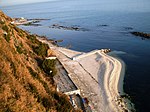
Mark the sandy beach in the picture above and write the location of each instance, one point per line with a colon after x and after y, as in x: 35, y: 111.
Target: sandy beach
x: 98, y: 76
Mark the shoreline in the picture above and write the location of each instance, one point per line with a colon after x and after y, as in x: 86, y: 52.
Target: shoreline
x: 114, y: 84
x: 113, y: 74
x: 129, y: 104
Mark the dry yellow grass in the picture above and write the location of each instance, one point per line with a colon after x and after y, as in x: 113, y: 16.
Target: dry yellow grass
x: 20, y: 90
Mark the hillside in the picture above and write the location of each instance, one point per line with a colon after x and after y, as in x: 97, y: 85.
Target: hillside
x: 24, y: 86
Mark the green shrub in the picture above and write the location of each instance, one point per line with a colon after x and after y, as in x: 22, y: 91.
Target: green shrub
x: 46, y: 103
x: 43, y: 100
x: 21, y: 34
x: 7, y: 37
x: 2, y: 22
x: 32, y: 88
x: 14, y: 70
x: 17, y: 29
x: 21, y: 44
x: 46, y: 87
x: 19, y: 49
x: 33, y: 74
x: 20, y: 31
x: 62, y: 102
x: 32, y: 38
x: 5, y: 27
x: 41, y: 49
x: 49, y: 65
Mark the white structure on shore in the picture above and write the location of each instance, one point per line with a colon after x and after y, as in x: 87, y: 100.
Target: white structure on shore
x: 51, y: 57
x: 73, y: 92
x: 83, y: 55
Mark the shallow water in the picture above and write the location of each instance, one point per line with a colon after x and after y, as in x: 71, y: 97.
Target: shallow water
x: 108, y: 24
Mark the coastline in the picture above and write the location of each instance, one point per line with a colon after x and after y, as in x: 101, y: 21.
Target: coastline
x: 82, y: 75
x: 125, y: 97
x: 114, y: 84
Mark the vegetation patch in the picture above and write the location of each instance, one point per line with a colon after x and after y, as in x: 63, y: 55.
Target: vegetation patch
x: 63, y: 105
x: 49, y: 67
x: 46, y: 103
x: 17, y: 29
x: 46, y: 87
x: 14, y: 70
x: 2, y: 22
x: 33, y: 74
x: 19, y: 49
x: 41, y: 49
x: 43, y: 100
x: 33, y: 39
x: 7, y: 37
x: 32, y: 88
x: 15, y: 91
x: 5, y: 27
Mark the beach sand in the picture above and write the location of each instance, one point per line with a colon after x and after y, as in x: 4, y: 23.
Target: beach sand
x: 98, y: 76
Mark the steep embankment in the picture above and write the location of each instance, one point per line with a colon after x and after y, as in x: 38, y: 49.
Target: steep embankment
x: 24, y: 86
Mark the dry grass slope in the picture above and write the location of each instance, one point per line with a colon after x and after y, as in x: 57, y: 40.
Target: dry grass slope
x: 24, y: 86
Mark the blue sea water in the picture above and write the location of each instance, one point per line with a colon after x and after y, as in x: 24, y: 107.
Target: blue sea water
x: 108, y: 25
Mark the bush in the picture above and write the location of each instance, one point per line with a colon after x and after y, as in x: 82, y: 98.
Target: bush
x: 2, y: 22
x: 32, y: 88
x: 63, y: 104
x: 14, y: 70
x: 7, y: 37
x: 19, y: 49
x: 43, y: 100
x: 5, y: 27
x: 41, y: 49
x: 33, y: 39
x: 17, y: 29
x: 49, y: 65
x: 45, y: 86
x: 46, y: 103
x: 21, y: 34
x: 33, y: 74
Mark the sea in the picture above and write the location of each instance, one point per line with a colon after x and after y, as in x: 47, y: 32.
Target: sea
x: 106, y: 24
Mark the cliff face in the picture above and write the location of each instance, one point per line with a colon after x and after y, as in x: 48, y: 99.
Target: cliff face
x: 24, y: 86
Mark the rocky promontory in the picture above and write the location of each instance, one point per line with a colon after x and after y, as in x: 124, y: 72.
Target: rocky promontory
x: 73, y: 28
x: 141, y: 34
